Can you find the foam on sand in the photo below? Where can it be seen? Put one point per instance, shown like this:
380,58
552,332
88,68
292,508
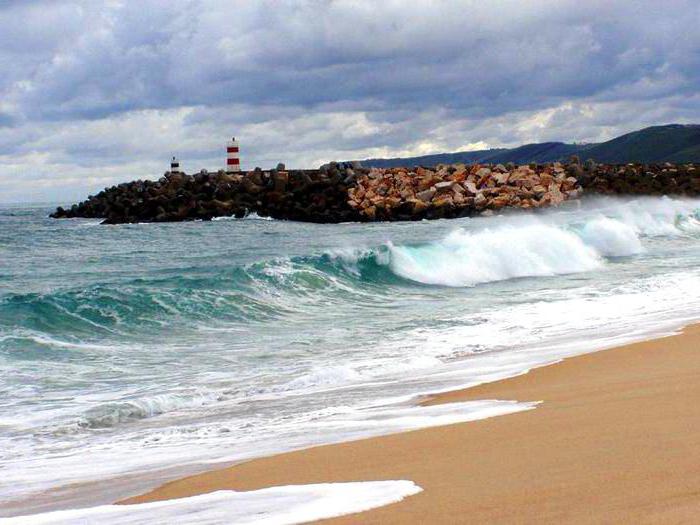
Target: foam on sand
271,506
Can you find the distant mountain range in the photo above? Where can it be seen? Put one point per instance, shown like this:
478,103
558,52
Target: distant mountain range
671,143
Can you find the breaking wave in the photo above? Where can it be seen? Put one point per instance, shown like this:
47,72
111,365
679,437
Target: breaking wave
468,259
112,414
259,292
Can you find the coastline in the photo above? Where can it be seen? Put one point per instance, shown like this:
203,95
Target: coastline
614,440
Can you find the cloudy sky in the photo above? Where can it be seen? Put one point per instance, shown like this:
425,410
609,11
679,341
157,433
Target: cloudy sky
95,92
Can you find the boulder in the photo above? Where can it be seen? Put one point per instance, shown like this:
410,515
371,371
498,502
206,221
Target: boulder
539,190
443,201
470,187
418,206
427,181
426,195
546,179
555,195
280,179
444,186
350,176
501,177
256,177
250,186
499,202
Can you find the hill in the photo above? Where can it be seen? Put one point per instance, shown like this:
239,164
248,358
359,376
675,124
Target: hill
673,143
670,143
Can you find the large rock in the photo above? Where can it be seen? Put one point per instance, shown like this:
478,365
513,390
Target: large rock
280,180
470,187
500,177
445,186
426,195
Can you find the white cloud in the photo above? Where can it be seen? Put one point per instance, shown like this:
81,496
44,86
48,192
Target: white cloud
98,91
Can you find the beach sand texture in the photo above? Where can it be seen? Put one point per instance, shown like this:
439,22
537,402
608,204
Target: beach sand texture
615,440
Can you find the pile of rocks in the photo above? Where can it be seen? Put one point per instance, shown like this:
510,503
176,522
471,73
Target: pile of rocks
642,179
339,192
459,190
303,195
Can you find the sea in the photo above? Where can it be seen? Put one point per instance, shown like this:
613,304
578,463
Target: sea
134,354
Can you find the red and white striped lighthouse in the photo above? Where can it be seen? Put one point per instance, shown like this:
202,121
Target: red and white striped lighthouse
233,157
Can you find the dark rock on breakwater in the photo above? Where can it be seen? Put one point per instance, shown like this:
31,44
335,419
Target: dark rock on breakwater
340,192
303,195
638,179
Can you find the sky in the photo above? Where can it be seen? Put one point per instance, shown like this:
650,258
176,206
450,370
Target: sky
98,92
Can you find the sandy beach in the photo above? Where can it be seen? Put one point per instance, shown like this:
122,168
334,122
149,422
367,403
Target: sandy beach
615,440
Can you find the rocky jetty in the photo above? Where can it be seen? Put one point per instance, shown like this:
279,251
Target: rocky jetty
642,179
459,190
302,195
340,192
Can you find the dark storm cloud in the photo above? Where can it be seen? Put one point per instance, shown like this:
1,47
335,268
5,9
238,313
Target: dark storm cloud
335,77
480,59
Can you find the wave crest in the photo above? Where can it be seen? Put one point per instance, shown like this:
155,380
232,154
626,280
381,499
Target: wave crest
468,259
115,413
611,237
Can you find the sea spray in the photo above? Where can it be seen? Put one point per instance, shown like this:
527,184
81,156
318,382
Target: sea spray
468,259
610,237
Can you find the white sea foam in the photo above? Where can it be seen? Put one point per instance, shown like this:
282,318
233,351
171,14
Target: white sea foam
588,317
252,216
324,376
611,237
327,425
52,342
272,506
652,216
545,246
111,414
466,259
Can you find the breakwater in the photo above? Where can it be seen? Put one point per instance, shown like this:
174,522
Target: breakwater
302,195
341,192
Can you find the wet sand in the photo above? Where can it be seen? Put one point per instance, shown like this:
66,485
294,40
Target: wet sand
615,440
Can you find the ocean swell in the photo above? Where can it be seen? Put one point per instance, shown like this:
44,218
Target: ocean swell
271,289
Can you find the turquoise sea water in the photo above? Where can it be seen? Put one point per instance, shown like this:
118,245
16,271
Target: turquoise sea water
159,348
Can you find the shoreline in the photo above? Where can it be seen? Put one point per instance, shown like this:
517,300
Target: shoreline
576,456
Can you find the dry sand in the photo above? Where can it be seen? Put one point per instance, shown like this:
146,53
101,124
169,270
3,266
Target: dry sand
616,440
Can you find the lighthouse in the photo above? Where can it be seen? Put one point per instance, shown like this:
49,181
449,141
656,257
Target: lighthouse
233,158
174,166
